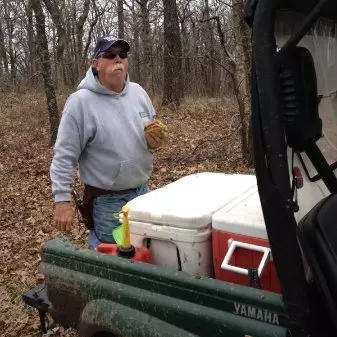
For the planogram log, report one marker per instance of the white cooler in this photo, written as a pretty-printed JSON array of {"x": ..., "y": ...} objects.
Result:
[{"x": 175, "y": 221}]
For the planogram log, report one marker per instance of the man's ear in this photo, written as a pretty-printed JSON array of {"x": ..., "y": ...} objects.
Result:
[{"x": 94, "y": 63}]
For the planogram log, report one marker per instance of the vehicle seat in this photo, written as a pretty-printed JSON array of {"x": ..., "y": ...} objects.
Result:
[{"x": 317, "y": 233}]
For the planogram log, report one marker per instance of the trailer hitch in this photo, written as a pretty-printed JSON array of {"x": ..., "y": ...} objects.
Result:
[{"x": 37, "y": 298}]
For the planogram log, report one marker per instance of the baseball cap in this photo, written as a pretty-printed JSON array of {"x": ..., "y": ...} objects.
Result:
[{"x": 105, "y": 42}]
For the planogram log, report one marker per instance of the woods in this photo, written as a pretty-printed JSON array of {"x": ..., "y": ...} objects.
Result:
[
  {"x": 180, "y": 48},
  {"x": 191, "y": 56}
]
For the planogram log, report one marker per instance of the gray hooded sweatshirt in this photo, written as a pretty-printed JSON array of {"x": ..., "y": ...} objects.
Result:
[{"x": 103, "y": 133}]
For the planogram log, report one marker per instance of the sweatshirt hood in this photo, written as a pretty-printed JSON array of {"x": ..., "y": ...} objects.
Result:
[{"x": 92, "y": 83}]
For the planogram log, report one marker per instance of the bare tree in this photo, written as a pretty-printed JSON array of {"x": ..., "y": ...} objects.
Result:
[
  {"x": 187, "y": 44},
  {"x": 58, "y": 20},
  {"x": 146, "y": 44},
  {"x": 9, "y": 21},
  {"x": 210, "y": 65},
  {"x": 173, "y": 89},
  {"x": 79, "y": 24},
  {"x": 32, "y": 55},
  {"x": 46, "y": 69},
  {"x": 120, "y": 11},
  {"x": 135, "y": 33},
  {"x": 96, "y": 15},
  {"x": 3, "y": 55},
  {"x": 243, "y": 57},
  {"x": 238, "y": 75}
]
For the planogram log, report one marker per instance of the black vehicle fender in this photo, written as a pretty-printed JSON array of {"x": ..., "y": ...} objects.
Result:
[{"x": 102, "y": 317}]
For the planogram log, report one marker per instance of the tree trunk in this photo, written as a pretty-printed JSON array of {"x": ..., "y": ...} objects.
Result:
[
  {"x": 120, "y": 11},
  {"x": 3, "y": 55},
  {"x": 173, "y": 88},
  {"x": 186, "y": 60},
  {"x": 79, "y": 39},
  {"x": 54, "y": 60},
  {"x": 136, "y": 49},
  {"x": 147, "y": 46},
  {"x": 31, "y": 44},
  {"x": 237, "y": 75},
  {"x": 195, "y": 63},
  {"x": 58, "y": 21},
  {"x": 10, "y": 29},
  {"x": 91, "y": 29},
  {"x": 46, "y": 69},
  {"x": 12, "y": 59},
  {"x": 242, "y": 113},
  {"x": 210, "y": 80},
  {"x": 243, "y": 57}
]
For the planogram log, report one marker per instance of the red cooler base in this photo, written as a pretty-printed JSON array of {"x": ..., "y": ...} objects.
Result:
[{"x": 243, "y": 258}]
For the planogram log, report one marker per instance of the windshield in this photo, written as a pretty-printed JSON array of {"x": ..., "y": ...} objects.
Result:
[{"x": 321, "y": 41}]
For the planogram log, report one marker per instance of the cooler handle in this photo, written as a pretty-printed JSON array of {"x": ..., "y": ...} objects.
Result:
[{"x": 237, "y": 244}]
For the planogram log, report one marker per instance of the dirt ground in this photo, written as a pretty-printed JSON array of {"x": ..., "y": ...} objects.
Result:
[{"x": 203, "y": 137}]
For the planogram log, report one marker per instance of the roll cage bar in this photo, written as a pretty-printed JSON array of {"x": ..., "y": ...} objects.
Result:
[{"x": 270, "y": 151}]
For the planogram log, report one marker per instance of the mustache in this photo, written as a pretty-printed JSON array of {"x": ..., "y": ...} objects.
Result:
[{"x": 118, "y": 66}]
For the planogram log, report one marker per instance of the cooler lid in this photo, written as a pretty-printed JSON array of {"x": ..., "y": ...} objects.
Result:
[
  {"x": 190, "y": 201},
  {"x": 242, "y": 216}
]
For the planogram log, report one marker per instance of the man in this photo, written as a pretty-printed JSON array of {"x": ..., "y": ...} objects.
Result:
[{"x": 102, "y": 131}]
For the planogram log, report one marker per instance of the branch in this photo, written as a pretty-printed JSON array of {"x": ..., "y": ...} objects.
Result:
[
  {"x": 233, "y": 8},
  {"x": 222, "y": 66},
  {"x": 132, "y": 9},
  {"x": 220, "y": 32},
  {"x": 58, "y": 20},
  {"x": 184, "y": 15},
  {"x": 92, "y": 25},
  {"x": 99, "y": 13},
  {"x": 231, "y": 133},
  {"x": 142, "y": 3},
  {"x": 84, "y": 14},
  {"x": 203, "y": 56},
  {"x": 129, "y": 6}
]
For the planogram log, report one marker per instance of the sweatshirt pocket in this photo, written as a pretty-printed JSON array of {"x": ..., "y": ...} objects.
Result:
[{"x": 133, "y": 173}]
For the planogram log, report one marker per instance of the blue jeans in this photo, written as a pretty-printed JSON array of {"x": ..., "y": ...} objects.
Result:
[{"x": 104, "y": 209}]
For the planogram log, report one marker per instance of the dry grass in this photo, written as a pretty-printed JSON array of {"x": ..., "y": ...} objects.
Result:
[{"x": 198, "y": 142}]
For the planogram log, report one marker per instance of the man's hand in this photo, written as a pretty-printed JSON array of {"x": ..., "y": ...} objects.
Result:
[
  {"x": 64, "y": 216},
  {"x": 155, "y": 135}
]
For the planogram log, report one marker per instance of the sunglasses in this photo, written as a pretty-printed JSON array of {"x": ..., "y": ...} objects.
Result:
[{"x": 112, "y": 54}]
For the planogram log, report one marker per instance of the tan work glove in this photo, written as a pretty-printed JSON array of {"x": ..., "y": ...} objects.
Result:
[
  {"x": 155, "y": 134},
  {"x": 64, "y": 216}
]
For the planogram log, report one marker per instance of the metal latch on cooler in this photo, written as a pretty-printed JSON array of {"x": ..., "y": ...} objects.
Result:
[{"x": 297, "y": 183}]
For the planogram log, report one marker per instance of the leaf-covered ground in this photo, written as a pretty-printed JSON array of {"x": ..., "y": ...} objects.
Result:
[{"x": 203, "y": 137}]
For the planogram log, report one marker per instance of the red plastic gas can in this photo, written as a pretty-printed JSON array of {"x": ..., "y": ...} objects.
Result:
[{"x": 140, "y": 254}]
